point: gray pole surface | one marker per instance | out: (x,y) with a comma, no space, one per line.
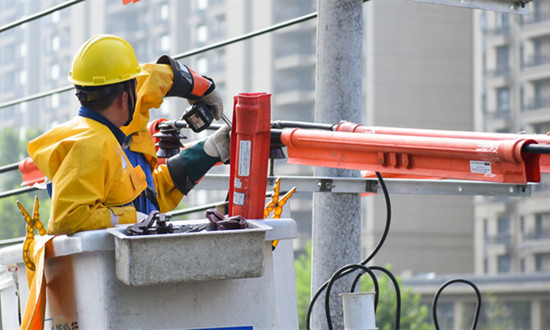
(336,216)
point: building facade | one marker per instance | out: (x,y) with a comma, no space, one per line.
(511,235)
(417,74)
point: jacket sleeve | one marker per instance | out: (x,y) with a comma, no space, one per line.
(80,188)
(168,195)
(151,91)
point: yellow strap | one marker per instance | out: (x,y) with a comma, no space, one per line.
(33,318)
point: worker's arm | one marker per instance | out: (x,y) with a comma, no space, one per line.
(190,165)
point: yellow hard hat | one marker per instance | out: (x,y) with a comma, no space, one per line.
(103,60)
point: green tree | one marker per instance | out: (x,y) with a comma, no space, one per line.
(302,269)
(13,148)
(413,314)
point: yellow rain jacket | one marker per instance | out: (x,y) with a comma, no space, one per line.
(92,179)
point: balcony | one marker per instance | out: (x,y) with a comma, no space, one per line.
(535,18)
(537,234)
(537,104)
(499,114)
(498,72)
(537,60)
(497,31)
(504,239)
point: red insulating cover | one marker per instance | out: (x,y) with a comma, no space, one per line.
(250,140)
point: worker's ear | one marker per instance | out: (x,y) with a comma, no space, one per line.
(122,99)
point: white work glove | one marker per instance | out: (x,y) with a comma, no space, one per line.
(213,101)
(217,144)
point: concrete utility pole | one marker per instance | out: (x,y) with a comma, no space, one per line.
(336,216)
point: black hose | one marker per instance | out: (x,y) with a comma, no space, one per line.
(459,280)
(348,269)
(397,292)
(375,251)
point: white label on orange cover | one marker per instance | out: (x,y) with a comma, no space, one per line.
(238,183)
(244,157)
(238,198)
(480,166)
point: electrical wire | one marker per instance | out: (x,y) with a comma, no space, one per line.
(374,252)
(182,55)
(38,15)
(397,292)
(336,276)
(458,280)
(177,57)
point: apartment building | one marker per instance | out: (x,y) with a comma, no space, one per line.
(511,234)
(418,73)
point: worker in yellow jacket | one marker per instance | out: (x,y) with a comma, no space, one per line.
(102,164)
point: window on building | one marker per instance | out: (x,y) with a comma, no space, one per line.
(23,49)
(164,12)
(202,65)
(6,83)
(542,226)
(54,101)
(202,4)
(55,43)
(54,72)
(502,20)
(202,33)
(504,263)
(503,59)
(503,230)
(522,224)
(522,265)
(219,61)
(542,262)
(165,43)
(220,26)
(22,77)
(503,99)
(55,16)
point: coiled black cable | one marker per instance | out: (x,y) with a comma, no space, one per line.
(458,280)
(397,292)
(369,258)
(337,276)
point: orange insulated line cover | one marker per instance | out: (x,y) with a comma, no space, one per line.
(539,138)
(454,158)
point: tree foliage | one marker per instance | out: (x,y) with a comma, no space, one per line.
(13,148)
(414,315)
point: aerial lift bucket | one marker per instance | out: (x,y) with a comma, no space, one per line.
(250,141)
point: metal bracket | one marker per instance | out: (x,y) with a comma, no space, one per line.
(325,185)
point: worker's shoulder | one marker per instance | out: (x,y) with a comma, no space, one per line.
(78,134)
